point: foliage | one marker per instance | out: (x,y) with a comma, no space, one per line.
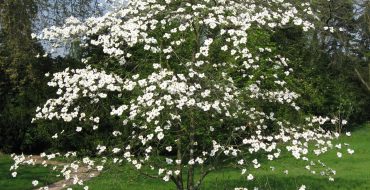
(20,83)
(325,88)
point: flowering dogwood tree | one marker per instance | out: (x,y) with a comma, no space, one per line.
(191,92)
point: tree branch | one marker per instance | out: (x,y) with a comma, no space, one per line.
(362,79)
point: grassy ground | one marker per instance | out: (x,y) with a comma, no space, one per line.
(353,173)
(23,181)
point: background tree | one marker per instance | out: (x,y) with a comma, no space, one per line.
(23,64)
(17,66)
(330,57)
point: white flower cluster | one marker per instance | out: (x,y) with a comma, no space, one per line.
(73,85)
(130,24)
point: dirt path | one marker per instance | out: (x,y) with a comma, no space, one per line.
(83,173)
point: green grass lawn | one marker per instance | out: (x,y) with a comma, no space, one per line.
(353,173)
(23,181)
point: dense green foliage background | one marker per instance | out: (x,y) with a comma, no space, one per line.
(331,70)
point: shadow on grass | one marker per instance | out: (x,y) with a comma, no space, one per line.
(26,174)
(126,179)
(273,182)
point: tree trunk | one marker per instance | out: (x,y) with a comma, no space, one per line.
(179,181)
(191,157)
